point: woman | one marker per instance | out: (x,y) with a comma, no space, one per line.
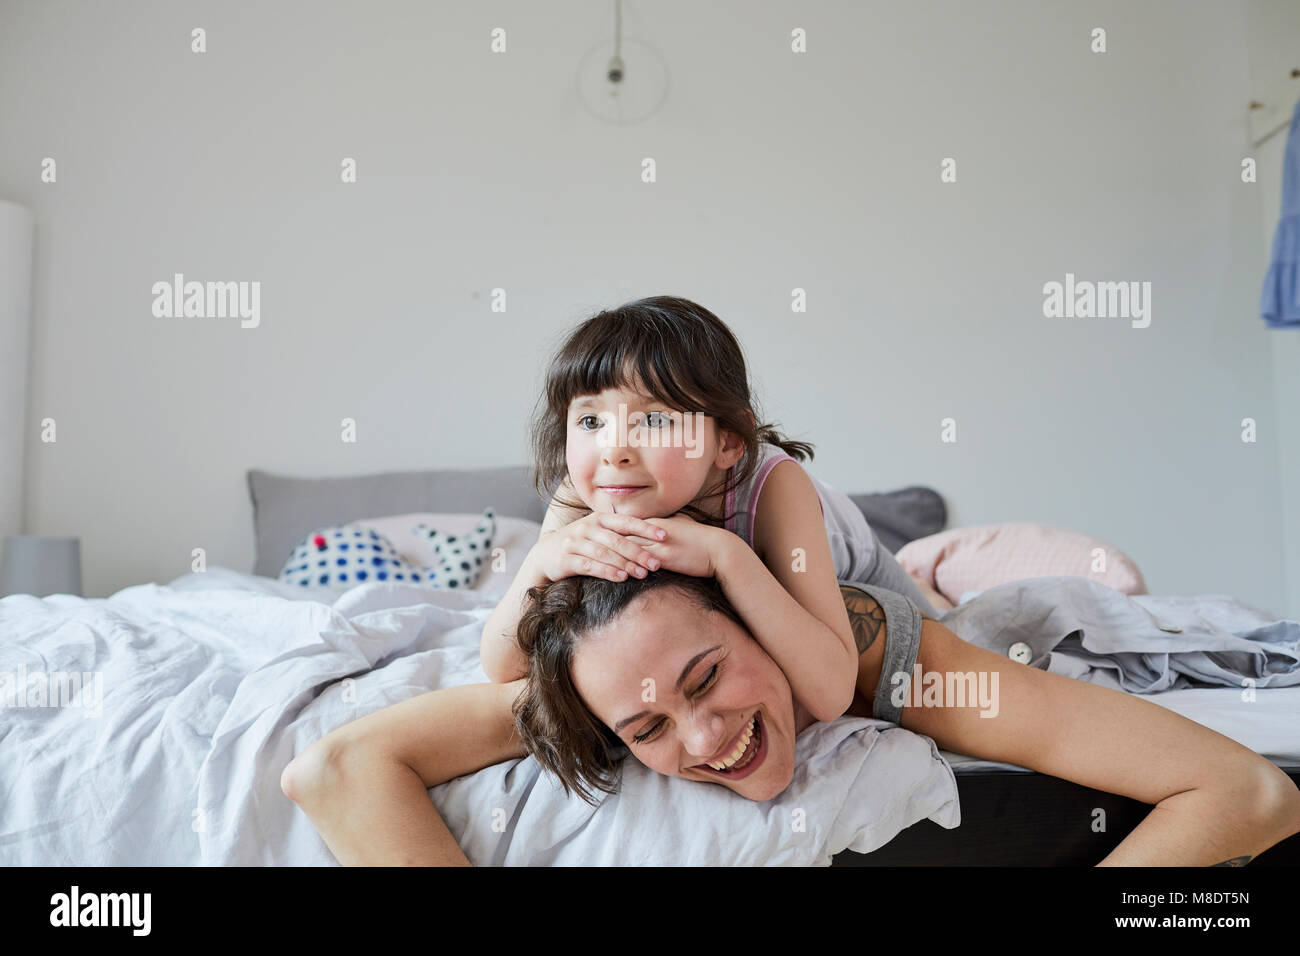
(663,668)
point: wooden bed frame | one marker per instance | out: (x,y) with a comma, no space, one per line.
(1015,818)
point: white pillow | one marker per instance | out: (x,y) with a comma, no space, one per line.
(515,537)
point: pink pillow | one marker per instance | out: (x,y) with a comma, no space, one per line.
(972,559)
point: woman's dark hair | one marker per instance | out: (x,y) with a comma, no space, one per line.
(553,721)
(687,359)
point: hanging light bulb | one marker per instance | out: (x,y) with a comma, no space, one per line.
(609,93)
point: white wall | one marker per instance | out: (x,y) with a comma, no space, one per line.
(775,171)
(1273,43)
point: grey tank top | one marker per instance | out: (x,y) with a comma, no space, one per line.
(855,548)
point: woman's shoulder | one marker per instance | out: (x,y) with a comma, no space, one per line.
(861,707)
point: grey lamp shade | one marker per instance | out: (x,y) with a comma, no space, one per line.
(32,564)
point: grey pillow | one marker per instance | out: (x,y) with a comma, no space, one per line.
(286,510)
(901,516)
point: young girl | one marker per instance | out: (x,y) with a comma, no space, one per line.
(647,437)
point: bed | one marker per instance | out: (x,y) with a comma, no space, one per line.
(1017,817)
(222,676)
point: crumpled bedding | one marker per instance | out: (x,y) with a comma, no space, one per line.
(210,685)
(1147,643)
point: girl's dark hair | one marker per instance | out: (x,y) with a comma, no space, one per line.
(551,718)
(687,359)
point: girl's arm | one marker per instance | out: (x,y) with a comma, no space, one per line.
(820,661)
(1216,802)
(499,653)
(789,598)
(365,786)
(604,548)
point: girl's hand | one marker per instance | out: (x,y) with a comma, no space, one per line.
(601,545)
(689,547)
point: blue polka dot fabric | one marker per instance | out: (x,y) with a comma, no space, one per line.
(461,555)
(347,555)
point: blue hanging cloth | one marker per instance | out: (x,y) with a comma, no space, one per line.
(1280,302)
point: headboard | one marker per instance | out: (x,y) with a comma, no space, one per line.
(286,510)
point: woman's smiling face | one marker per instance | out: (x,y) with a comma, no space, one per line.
(688,683)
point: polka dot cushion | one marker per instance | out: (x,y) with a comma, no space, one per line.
(461,555)
(349,554)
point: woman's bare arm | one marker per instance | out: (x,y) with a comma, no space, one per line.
(1215,802)
(365,785)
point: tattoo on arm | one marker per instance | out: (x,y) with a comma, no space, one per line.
(1235,861)
(866,616)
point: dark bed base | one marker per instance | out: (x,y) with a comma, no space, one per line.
(1011,818)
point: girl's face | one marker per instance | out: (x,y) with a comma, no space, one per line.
(694,688)
(648,449)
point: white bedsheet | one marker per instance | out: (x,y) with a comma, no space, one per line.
(1268,723)
(211,684)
